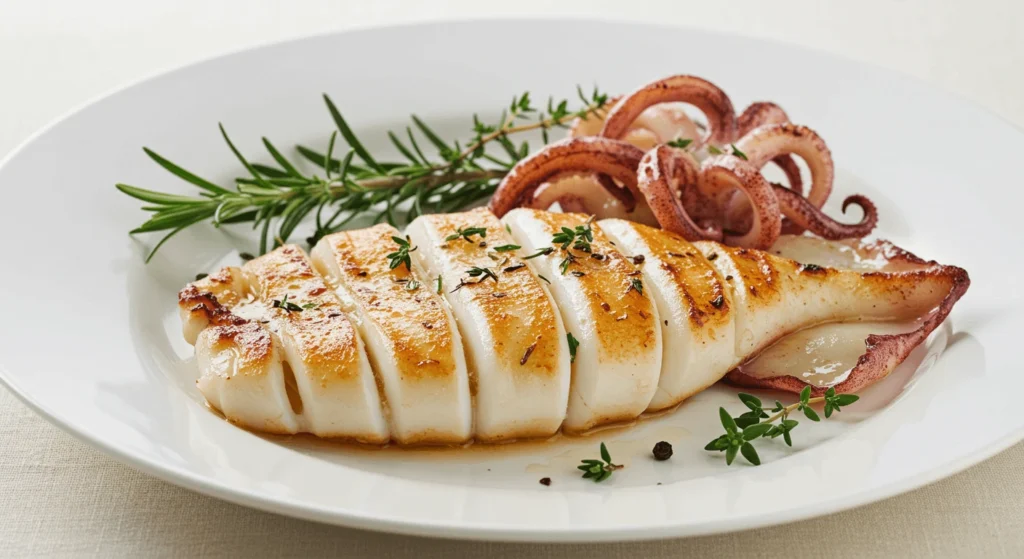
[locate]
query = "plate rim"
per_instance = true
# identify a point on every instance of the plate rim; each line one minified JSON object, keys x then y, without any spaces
{"x":365,"y":521}
{"x":488,"y":532}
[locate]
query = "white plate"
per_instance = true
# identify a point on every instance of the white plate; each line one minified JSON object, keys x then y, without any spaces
{"x":90,"y":337}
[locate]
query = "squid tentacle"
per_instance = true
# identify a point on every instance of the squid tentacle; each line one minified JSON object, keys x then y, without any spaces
{"x":767,"y":142}
{"x":721,"y":176}
{"x":724,"y":198}
{"x":805,"y":215}
{"x":663,"y":172}
{"x":706,"y":96}
{"x":613,"y":158}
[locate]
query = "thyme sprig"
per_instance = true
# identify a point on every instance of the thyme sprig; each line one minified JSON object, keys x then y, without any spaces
{"x":756,"y":423}
{"x":289,"y":306}
{"x":281,"y":195}
{"x":401,"y":256}
{"x":467,"y":234}
{"x":540,"y":252}
{"x":599,"y":470}
{"x":577,"y":238}
{"x":482,"y":273}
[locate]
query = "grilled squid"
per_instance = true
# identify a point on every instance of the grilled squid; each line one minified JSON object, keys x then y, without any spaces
{"x":495,"y":330}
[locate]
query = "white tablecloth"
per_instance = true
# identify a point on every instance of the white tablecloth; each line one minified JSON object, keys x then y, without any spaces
{"x":60,"y":497}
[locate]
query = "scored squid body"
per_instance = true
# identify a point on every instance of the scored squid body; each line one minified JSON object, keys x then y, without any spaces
{"x":776,"y":296}
{"x":877,"y":303}
{"x":694,"y":304}
{"x":618,"y":360}
{"x":277,"y":370}
{"x":488,"y":358}
{"x":721,"y":306}
{"x":511,"y":331}
{"x":409,"y":333}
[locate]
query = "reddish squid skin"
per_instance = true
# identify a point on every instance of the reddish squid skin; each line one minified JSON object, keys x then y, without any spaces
{"x":704,"y":95}
{"x":663,"y":172}
{"x":807,"y":217}
{"x":667,"y":176}
{"x":767,"y":142}
{"x":696,"y":203}
{"x":618,"y":160}
{"x":759,"y":114}
{"x":723,"y":174}
{"x":883,"y":353}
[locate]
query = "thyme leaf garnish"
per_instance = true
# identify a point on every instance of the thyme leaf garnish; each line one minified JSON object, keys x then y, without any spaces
{"x":401,"y":256}
{"x":574,"y":344}
{"x":599,"y":470}
{"x":578,"y":238}
{"x":467,"y":233}
{"x":482,"y":273}
{"x":742,"y":431}
{"x":289,"y":306}
{"x":540,"y":252}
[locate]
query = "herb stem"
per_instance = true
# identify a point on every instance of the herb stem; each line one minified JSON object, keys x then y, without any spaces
{"x":428,"y":181}
{"x":505,"y":129}
{"x":788,"y":409}
{"x":456,"y":178}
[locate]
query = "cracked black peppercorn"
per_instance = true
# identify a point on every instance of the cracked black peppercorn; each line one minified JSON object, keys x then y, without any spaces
{"x":662,"y":451}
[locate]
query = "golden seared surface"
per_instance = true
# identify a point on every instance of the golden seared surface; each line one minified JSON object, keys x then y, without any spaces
{"x":623,"y":318}
{"x":223,"y":284}
{"x":770,"y":278}
{"x":214,"y":294}
{"x":194,"y":299}
{"x":760,"y":271}
{"x":406,"y":309}
{"x":251,"y":342}
{"x":516,"y":308}
{"x":325,"y":339}
{"x":708,"y":300}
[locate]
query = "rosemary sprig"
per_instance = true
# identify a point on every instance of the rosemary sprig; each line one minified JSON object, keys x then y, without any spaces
{"x":282,"y":195}
{"x":741,"y":431}
{"x":599,"y":470}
